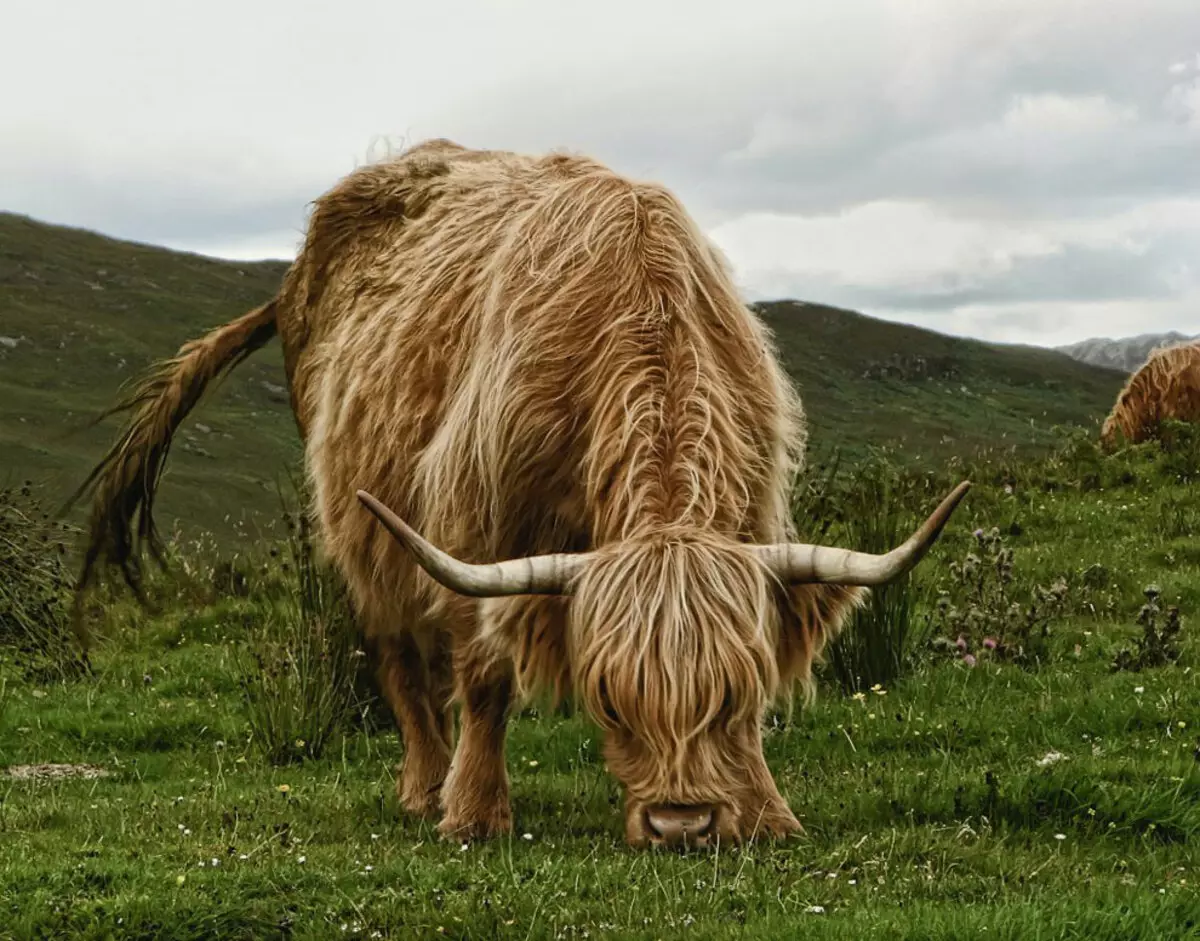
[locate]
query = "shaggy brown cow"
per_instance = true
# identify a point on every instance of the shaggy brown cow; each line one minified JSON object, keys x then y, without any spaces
{"x":534,"y":359}
{"x":1166,"y":386}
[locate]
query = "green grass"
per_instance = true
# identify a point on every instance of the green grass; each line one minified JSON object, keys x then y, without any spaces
{"x":94,"y":311}
{"x":933,"y":808}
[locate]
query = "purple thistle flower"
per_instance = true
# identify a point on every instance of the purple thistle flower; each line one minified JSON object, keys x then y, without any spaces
{"x":969,"y":659}
{"x":989,"y":643}
{"x":961,"y":643}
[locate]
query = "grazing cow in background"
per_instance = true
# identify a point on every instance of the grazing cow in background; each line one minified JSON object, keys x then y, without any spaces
{"x":539,"y":377}
{"x":1166,"y":386}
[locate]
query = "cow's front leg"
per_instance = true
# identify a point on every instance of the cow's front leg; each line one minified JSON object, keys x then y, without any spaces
{"x":475,"y":795}
{"x":419,"y":701}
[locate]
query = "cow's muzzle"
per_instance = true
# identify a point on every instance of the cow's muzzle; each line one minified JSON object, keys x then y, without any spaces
{"x":677,"y":826}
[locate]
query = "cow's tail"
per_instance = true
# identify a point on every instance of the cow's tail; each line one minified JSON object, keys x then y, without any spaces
{"x":123,"y":484}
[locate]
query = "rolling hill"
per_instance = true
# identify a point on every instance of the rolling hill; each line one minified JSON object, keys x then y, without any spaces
{"x":81,"y":313}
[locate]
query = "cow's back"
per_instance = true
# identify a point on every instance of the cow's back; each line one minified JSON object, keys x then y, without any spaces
{"x":481,"y":339}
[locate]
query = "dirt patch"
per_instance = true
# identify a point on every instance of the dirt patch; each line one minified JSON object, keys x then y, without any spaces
{"x":54,"y":772}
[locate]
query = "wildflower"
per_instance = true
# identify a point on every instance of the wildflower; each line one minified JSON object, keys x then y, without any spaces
{"x":527,"y":836}
{"x":989,"y":643}
{"x":1050,"y":758}
{"x":1060,"y":837}
{"x":961,"y":643}
{"x":860,"y":696}
{"x":969,"y":659}
{"x":816,"y":909}
{"x":284,"y":788}
{"x":303,"y":859}
{"x":1139,"y":689}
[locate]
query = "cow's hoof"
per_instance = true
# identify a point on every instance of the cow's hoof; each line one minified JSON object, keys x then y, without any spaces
{"x":420,"y":795}
{"x":460,"y":830}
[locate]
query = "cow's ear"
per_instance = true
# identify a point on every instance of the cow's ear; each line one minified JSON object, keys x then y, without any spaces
{"x":810,"y":617}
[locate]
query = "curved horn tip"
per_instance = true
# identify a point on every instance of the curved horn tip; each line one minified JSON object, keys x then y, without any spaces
{"x":373,"y":503}
{"x":939,"y":517}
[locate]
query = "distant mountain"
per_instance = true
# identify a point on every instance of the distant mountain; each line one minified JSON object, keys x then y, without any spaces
{"x":1127,"y":354}
{"x":81,"y":313}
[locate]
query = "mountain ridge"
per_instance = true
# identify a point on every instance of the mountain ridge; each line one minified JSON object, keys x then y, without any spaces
{"x":81,"y":314}
{"x":1124,"y":353}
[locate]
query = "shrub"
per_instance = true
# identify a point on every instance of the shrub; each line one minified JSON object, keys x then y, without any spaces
{"x":1158,"y":646}
{"x":1179,"y":451}
{"x":35,"y":610}
{"x":981,"y":613}
{"x":877,"y":510}
{"x":305,"y":681}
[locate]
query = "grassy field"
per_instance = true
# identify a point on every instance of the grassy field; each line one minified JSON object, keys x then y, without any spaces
{"x":1035,"y":793}
{"x":88,"y":313}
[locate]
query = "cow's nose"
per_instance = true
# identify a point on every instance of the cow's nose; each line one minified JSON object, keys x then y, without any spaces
{"x":673,"y":825}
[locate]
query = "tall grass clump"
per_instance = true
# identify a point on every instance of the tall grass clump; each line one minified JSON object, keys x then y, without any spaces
{"x":304,"y":679}
{"x":980,"y":610}
{"x":36,"y":630}
{"x":875,"y":509}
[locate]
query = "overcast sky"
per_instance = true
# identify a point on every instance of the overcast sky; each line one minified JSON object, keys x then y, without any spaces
{"x":1018,"y":170}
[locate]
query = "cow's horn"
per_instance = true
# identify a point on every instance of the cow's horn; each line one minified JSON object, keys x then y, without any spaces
{"x":793,"y":563}
{"x":533,"y":575}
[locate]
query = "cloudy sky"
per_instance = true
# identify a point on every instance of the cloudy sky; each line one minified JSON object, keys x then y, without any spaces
{"x":1017,"y":170}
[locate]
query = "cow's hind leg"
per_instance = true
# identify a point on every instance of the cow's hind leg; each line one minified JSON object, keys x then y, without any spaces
{"x":415,"y":685}
{"x":476,"y":796}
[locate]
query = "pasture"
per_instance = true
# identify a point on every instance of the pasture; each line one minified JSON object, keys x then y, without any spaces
{"x":1039,"y":780}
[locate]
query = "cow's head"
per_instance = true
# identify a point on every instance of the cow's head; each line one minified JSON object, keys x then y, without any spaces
{"x":673,"y":642}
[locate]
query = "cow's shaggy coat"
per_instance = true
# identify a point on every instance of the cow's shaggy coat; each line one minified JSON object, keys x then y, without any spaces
{"x":1167,"y":386}
{"x":526,"y":355}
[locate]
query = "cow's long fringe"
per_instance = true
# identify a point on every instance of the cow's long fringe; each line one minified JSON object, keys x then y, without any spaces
{"x":1166,"y":386}
{"x":673,"y":643}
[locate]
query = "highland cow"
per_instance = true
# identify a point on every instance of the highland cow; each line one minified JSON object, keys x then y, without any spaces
{"x":1167,"y":386}
{"x":539,"y":377}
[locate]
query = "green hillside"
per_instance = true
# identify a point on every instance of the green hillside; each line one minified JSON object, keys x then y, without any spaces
{"x":866,"y":381}
{"x":88,"y":313}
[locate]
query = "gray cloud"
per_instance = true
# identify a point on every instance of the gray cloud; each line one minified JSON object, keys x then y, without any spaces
{"x":1001,"y":121}
{"x":1077,"y":274}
